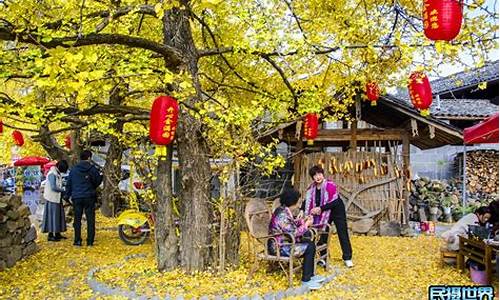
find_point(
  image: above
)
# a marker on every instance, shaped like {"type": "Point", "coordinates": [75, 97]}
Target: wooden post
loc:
{"type": "Point", "coordinates": [354, 124]}
{"type": "Point", "coordinates": [406, 167]}
{"type": "Point", "coordinates": [299, 146]}
{"type": "Point", "coordinates": [487, 262]}
{"type": "Point", "coordinates": [354, 142]}
{"type": "Point", "coordinates": [464, 177]}
{"type": "Point", "coordinates": [460, 256]}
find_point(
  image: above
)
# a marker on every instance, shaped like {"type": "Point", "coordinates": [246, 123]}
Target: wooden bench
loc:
{"type": "Point", "coordinates": [448, 254]}
{"type": "Point", "coordinates": [477, 251]}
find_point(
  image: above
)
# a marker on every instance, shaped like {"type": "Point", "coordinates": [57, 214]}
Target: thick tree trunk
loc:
{"type": "Point", "coordinates": [233, 232]}
{"type": "Point", "coordinates": [166, 240]}
{"type": "Point", "coordinates": [112, 171]}
{"type": "Point", "coordinates": [50, 145]}
{"type": "Point", "coordinates": [195, 244]}
{"type": "Point", "coordinates": [195, 196]}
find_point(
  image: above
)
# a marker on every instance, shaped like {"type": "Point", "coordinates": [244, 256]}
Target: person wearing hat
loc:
{"type": "Point", "coordinates": [53, 220]}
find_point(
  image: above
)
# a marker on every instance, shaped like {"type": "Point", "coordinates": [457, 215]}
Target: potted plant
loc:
{"type": "Point", "coordinates": [447, 204]}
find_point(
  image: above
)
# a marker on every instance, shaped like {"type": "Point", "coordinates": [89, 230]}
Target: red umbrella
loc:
{"type": "Point", "coordinates": [483, 132]}
{"type": "Point", "coordinates": [31, 161]}
{"type": "Point", "coordinates": [47, 167]}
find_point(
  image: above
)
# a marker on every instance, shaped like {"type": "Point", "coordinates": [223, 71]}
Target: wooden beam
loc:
{"type": "Point", "coordinates": [340, 135]}
{"type": "Point", "coordinates": [425, 120]}
{"type": "Point", "coordinates": [297, 165]}
{"type": "Point", "coordinates": [460, 118]}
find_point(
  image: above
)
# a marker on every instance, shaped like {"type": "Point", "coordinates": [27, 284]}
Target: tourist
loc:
{"type": "Point", "coordinates": [479, 217]}
{"type": "Point", "coordinates": [322, 201]}
{"type": "Point", "coordinates": [53, 220]}
{"type": "Point", "coordinates": [282, 221]}
{"type": "Point", "coordinates": [83, 180]}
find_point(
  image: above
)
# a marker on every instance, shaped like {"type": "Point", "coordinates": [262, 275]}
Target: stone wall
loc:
{"type": "Point", "coordinates": [17, 236]}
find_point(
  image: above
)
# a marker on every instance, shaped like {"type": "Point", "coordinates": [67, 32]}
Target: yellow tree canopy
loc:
{"type": "Point", "coordinates": [259, 62]}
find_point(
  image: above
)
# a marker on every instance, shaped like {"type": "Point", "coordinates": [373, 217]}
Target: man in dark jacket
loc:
{"type": "Point", "coordinates": [83, 180]}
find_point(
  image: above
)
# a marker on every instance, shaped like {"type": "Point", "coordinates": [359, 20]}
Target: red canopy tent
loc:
{"type": "Point", "coordinates": [31, 161]}
{"type": "Point", "coordinates": [483, 132]}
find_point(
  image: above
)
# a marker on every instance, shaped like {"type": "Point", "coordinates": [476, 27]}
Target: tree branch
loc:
{"type": "Point", "coordinates": [143, 10]}
{"type": "Point", "coordinates": [231, 67]}
{"type": "Point", "coordinates": [19, 128]}
{"type": "Point", "coordinates": [327, 50]}
{"type": "Point", "coordinates": [283, 76]}
{"type": "Point", "coordinates": [236, 86]}
{"type": "Point", "coordinates": [105, 109]}
{"type": "Point", "coordinates": [172, 56]}
{"type": "Point", "coordinates": [52, 132]}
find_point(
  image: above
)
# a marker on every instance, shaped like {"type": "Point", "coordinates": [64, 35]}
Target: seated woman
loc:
{"type": "Point", "coordinates": [479, 217]}
{"type": "Point", "coordinates": [282, 221]}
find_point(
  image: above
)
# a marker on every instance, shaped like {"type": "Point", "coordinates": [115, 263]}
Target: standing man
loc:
{"type": "Point", "coordinates": [83, 180]}
{"type": "Point", "coordinates": [323, 203]}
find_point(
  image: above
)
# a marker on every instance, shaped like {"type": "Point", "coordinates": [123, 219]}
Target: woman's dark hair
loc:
{"type": "Point", "coordinates": [315, 170]}
{"type": "Point", "coordinates": [483, 210]}
{"type": "Point", "coordinates": [493, 206]}
{"type": "Point", "coordinates": [85, 155]}
{"type": "Point", "coordinates": [289, 197]}
{"type": "Point", "coordinates": [62, 166]}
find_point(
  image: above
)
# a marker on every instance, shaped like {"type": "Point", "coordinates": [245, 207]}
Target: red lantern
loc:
{"type": "Point", "coordinates": [311, 128]}
{"type": "Point", "coordinates": [18, 138]}
{"type": "Point", "coordinates": [442, 19]}
{"type": "Point", "coordinates": [163, 120]}
{"type": "Point", "coordinates": [420, 92]}
{"type": "Point", "coordinates": [1, 126]}
{"type": "Point", "coordinates": [67, 142]}
{"type": "Point", "coordinates": [372, 92]}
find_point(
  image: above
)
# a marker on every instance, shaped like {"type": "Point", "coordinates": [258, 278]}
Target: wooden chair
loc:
{"type": "Point", "coordinates": [320, 231]}
{"type": "Point", "coordinates": [258, 217]}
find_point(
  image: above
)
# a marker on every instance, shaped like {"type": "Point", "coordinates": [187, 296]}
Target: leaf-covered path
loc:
{"type": "Point", "coordinates": [385, 268]}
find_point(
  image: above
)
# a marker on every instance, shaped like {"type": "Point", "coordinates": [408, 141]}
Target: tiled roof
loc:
{"type": "Point", "coordinates": [459, 107]}
{"type": "Point", "coordinates": [464, 107]}
{"type": "Point", "coordinates": [487, 73]}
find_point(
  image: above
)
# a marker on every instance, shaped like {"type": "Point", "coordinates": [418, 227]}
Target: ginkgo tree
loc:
{"type": "Point", "coordinates": [236, 67]}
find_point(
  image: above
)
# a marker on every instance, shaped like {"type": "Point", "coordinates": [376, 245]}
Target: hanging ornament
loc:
{"type": "Point", "coordinates": [420, 92]}
{"type": "Point", "coordinates": [18, 138]}
{"type": "Point", "coordinates": [442, 19]}
{"type": "Point", "coordinates": [372, 92]}
{"type": "Point", "coordinates": [311, 127]}
{"type": "Point", "coordinates": [1, 126]}
{"type": "Point", "coordinates": [414, 127]}
{"type": "Point", "coordinates": [163, 123]}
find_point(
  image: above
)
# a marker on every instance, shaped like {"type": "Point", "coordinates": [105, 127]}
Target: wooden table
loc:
{"type": "Point", "coordinates": [477, 251]}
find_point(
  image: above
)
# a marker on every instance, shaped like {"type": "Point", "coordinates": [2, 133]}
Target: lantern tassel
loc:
{"type": "Point", "coordinates": [310, 142]}
{"type": "Point", "coordinates": [373, 103]}
{"type": "Point", "coordinates": [161, 151]}
{"type": "Point", "coordinates": [425, 112]}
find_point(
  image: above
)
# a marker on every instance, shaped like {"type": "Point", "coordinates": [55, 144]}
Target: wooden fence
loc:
{"type": "Point", "coordinates": [371, 183]}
